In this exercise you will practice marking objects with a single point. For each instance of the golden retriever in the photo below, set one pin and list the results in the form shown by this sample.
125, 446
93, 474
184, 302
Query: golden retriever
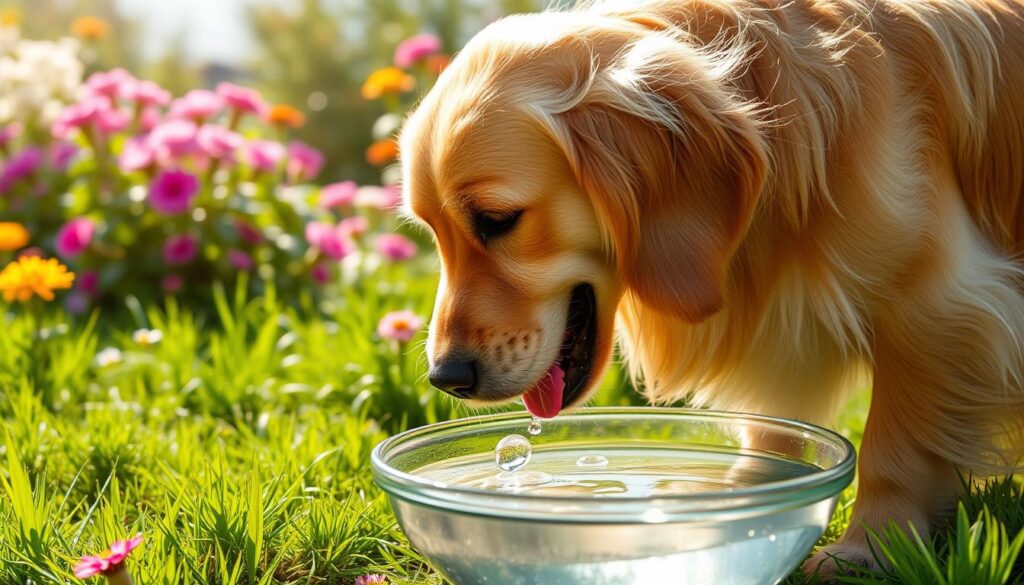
764, 200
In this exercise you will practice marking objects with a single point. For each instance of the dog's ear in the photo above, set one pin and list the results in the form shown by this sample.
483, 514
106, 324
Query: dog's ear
675, 166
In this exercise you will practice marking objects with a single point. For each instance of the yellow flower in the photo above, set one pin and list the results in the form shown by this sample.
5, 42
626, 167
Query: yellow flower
285, 115
30, 276
13, 236
90, 28
388, 80
10, 17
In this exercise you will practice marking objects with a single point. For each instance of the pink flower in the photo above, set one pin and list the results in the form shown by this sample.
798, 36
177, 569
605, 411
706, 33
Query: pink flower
240, 260
180, 249
74, 237
108, 562
378, 197
218, 142
373, 579
88, 282
78, 116
145, 93
242, 99
149, 119
249, 233
415, 48
171, 192
61, 154
354, 226
197, 105
304, 161
8, 133
264, 155
341, 194
172, 283
329, 239
173, 139
111, 120
136, 155
321, 273
109, 84
399, 325
395, 246
76, 303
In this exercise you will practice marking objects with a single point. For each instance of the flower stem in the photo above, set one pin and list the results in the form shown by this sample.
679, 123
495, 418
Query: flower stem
121, 577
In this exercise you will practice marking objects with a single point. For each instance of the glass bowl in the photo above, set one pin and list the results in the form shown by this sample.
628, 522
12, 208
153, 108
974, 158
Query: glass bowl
703, 497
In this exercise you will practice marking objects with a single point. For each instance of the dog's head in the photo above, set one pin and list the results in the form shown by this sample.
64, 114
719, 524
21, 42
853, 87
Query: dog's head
561, 162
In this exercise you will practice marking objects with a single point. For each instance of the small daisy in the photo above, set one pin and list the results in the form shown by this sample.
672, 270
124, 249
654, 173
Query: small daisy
147, 337
107, 357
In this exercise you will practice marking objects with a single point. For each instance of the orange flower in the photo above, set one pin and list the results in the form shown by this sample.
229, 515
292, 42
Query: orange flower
389, 80
13, 236
438, 63
30, 276
90, 28
285, 115
382, 152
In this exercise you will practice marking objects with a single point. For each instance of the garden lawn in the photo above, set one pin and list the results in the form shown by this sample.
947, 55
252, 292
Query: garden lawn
238, 445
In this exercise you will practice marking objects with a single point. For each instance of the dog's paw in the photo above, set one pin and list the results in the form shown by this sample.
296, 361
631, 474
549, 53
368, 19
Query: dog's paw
840, 558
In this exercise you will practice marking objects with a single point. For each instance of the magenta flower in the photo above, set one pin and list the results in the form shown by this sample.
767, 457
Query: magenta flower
172, 284
8, 133
197, 105
416, 48
145, 93
109, 84
264, 155
171, 192
341, 194
218, 142
329, 239
239, 260
373, 579
173, 139
242, 99
74, 237
88, 282
304, 161
395, 246
180, 249
399, 325
249, 233
61, 154
136, 155
149, 119
321, 273
109, 562
21, 166
354, 226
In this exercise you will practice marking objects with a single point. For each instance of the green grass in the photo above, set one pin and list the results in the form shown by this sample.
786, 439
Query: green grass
239, 447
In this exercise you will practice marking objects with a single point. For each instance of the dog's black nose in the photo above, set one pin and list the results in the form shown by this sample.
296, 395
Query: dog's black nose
454, 376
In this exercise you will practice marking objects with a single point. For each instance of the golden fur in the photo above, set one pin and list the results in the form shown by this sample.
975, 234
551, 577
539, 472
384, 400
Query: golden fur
770, 199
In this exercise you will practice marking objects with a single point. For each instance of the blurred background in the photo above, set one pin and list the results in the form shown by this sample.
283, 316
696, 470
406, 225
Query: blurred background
311, 54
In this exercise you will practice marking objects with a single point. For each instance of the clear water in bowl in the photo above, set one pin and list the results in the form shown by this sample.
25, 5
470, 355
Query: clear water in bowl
605, 472
744, 551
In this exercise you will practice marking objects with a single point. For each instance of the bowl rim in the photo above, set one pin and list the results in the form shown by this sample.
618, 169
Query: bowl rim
760, 499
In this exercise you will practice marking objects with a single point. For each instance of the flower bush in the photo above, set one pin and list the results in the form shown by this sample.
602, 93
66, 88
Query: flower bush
147, 194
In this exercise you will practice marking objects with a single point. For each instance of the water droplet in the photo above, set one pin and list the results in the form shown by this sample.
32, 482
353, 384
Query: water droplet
534, 428
512, 452
771, 538
751, 533
592, 461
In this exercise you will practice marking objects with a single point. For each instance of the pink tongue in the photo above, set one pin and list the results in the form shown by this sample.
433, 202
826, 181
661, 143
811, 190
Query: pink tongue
545, 399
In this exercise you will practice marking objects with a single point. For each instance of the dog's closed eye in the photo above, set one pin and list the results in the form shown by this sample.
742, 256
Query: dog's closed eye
489, 224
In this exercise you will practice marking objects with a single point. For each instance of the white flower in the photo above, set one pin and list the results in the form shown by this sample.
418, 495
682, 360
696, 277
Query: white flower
385, 126
37, 78
147, 337
108, 357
